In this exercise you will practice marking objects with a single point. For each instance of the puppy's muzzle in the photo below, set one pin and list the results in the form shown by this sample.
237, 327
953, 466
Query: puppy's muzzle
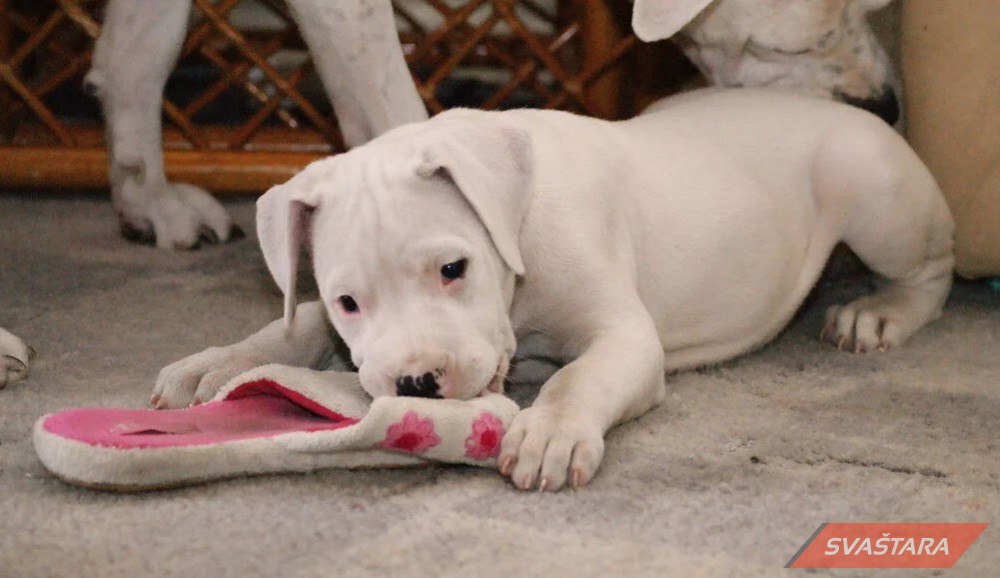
885, 105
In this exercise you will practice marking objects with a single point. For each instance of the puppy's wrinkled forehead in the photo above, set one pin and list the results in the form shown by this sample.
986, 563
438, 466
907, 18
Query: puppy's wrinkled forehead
381, 206
790, 24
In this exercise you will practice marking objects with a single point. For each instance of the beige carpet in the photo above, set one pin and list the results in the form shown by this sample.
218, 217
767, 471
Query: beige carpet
728, 478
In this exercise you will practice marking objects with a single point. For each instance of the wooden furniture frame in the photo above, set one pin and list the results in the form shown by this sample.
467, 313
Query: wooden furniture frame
583, 65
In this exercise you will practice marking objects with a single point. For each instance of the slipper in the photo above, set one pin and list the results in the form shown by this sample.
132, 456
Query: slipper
272, 419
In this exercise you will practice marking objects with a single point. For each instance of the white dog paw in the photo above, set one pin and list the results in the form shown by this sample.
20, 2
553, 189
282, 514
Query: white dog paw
868, 324
546, 448
15, 356
178, 216
197, 378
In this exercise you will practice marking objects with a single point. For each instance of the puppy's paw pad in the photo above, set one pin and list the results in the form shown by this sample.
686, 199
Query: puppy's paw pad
548, 450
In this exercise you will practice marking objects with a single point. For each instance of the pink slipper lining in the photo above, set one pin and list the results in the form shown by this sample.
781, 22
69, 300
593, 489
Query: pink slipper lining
257, 409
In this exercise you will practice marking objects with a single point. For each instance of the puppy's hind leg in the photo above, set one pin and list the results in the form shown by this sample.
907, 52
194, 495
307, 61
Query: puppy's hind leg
897, 222
133, 56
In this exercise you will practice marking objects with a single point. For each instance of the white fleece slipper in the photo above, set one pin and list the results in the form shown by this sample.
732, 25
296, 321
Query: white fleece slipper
271, 419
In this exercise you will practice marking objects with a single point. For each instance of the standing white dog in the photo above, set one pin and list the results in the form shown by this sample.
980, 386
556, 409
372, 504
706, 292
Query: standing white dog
685, 236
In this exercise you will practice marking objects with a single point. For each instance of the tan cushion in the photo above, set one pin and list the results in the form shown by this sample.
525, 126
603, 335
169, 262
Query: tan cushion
951, 68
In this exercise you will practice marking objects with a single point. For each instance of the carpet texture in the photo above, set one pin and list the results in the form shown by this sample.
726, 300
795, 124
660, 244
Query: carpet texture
727, 478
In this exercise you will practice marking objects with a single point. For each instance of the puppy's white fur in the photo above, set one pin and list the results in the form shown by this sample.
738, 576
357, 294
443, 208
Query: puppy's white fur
820, 47
685, 236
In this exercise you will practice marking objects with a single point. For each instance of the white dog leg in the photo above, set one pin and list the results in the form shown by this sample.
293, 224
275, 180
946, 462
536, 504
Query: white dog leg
560, 438
15, 355
133, 56
192, 380
356, 49
901, 228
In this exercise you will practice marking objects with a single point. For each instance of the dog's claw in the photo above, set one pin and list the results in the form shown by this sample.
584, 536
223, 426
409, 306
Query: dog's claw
576, 479
841, 343
208, 235
236, 233
543, 485
154, 400
527, 481
506, 464
145, 236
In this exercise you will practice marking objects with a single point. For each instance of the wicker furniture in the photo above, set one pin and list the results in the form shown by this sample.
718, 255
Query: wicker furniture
241, 112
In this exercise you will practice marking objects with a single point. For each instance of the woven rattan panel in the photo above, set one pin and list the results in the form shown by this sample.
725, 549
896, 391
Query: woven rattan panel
244, 89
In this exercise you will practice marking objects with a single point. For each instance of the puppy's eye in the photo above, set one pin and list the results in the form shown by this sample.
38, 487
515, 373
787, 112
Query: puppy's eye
348, 304
454, 270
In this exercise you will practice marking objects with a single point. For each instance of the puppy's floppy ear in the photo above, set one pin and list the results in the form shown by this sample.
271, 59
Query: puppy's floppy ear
492, 166
284, 214
658, 19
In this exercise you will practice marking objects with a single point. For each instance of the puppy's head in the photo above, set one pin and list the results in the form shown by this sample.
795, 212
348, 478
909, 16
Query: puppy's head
415, 250
820, 47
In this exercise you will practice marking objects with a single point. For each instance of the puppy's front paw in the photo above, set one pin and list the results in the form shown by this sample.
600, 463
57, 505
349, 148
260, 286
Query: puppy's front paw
197, 378
547, 447
15, 355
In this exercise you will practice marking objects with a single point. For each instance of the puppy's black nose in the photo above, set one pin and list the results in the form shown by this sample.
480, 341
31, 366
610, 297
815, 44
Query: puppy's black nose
421, 386
885, 105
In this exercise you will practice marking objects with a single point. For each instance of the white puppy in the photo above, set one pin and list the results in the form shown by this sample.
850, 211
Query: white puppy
685, 236
820, 47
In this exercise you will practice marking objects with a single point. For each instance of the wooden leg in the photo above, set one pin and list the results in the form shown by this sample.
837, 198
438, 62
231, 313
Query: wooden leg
600, 33
220, 171
6, 118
